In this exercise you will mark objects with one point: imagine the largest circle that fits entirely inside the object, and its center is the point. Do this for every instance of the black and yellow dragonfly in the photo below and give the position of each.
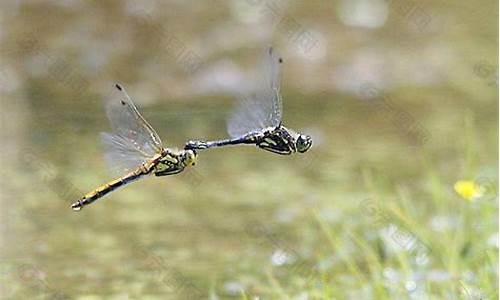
(134, 148)
(258, 118)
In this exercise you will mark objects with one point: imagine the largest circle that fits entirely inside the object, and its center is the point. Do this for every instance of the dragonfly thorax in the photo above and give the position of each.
(279, 140)
(284, 141)
(174, 162)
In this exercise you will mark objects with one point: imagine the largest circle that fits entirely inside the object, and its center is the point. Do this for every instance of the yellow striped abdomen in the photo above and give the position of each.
(108, 187)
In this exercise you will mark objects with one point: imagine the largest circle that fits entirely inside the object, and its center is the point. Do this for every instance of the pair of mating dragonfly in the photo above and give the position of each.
(135, 148)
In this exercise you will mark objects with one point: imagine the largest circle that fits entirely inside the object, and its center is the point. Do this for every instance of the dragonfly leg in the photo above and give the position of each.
(169, 172)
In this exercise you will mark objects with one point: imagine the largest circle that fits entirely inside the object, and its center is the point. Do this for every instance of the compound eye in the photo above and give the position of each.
(304, 142)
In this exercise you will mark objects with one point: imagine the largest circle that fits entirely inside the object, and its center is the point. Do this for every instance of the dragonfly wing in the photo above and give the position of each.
(270, 91)
(120, 154)
(249, 116)
(262, 109)
(133, 140)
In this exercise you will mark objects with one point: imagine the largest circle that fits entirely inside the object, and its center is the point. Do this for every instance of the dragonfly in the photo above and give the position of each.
(258, 118)
(134, 148)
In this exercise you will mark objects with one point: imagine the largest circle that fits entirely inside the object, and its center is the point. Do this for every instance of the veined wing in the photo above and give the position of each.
(133, 140)
(262, 109)
(120, 155)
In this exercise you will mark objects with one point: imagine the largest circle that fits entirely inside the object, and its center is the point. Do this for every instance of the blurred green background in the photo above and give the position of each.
(398, 198)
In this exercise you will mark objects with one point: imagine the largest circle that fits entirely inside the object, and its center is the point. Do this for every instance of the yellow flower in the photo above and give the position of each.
(468, 189)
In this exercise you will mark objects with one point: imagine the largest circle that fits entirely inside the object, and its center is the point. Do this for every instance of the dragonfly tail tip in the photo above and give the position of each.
(76, 206)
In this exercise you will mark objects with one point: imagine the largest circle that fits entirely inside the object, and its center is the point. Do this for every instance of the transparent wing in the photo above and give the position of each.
(133, 140)
(262, 109)
(271, 91)
(120, 155)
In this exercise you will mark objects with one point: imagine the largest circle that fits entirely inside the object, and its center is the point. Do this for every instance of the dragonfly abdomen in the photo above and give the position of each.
(106, 188)
(251, 139)
(198, 145)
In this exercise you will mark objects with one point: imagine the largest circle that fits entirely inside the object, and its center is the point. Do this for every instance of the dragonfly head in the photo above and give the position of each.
(189, 157)
(303, 143)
